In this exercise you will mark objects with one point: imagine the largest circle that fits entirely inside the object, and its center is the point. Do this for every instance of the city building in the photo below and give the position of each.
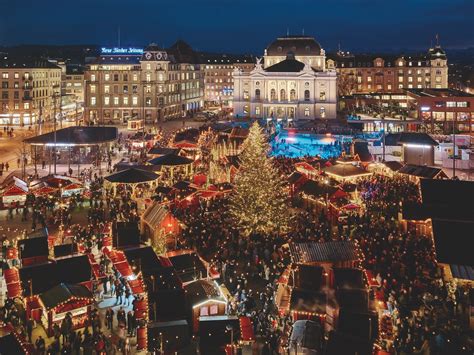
(440, 109)
(361, 73)
(152, 84)
(30, 90)
(218, 80)
(292, 83)
(72, 82)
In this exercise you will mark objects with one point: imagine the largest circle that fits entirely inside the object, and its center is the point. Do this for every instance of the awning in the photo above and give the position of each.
(136, 286)
(12, 279)
(246, 329)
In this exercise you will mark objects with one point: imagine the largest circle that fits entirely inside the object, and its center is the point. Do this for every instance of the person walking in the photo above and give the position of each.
(40, 345)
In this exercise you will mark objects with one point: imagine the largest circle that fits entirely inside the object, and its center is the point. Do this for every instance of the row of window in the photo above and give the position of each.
(283, 96)
(16, 106)
(148, 77)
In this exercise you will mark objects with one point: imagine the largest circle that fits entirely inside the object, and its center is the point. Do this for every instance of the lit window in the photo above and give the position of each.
(116, 100)
(107, 89)
(369, 79)
(106, 100)
(17, 75)
(134, 101)
(306, 112)
(257, 111)
(125, 100)
(322, 96)
(148, 77)
(410, 79)
(4, 75)
(306, 95)
(26, 105)
(322, 112)
(93, 101)
(107, 77)
(92, 77)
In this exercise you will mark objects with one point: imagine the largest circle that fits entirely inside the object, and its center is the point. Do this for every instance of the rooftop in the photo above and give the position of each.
(75, 135)
(438, 93)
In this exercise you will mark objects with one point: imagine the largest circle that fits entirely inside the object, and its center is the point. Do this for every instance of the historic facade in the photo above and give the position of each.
(30, 91)
(360, 73)
(154, 86)
(292, 83)
(218, 80)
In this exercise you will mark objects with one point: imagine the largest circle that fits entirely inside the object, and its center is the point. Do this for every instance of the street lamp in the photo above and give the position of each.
(230, 328)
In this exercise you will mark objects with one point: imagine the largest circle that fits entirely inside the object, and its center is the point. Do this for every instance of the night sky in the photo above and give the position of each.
(239, 26)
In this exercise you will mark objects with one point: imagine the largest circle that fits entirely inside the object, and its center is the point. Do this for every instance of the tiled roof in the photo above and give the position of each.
(333, 251)
(421, 171)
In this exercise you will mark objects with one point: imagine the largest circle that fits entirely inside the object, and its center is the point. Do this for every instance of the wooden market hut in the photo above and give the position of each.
(132, 177)
(204, 298)
(327, 254)
(417, 172)
(62, 299)
(157, 223)
(34, 249)
(15, 193)
(190, 266)
(344, 172)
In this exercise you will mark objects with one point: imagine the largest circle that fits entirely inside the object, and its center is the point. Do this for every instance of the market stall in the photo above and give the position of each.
(63, 299)
(15, 194)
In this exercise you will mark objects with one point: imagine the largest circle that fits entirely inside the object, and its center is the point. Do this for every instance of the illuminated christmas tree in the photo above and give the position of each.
(259, 201)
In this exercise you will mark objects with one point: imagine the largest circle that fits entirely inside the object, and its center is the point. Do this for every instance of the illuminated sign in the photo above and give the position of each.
(425, 108)
(117, 50)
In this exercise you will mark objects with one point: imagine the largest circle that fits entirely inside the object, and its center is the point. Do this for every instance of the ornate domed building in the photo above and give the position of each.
(304, 48)
(291, 83)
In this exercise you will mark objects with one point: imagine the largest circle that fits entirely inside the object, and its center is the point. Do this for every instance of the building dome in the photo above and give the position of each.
(437, 52)
(298, 45)
(152, 47)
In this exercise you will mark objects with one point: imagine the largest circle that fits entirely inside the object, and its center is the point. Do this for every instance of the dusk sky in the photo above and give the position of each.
(240, 25)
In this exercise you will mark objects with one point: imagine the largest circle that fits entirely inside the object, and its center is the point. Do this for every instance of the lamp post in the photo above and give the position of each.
(230, 328)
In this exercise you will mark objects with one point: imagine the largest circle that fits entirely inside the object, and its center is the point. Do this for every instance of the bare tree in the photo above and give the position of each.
(346, 84)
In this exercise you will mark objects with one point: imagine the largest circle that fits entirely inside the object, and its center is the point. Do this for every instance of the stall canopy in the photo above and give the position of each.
(12, 279)
(18, 187)
(76, 136)
(63, 293)
(345, 171)
(170, 160)
(132, 176)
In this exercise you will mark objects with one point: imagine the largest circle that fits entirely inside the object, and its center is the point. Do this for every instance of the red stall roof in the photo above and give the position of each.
(246, 329)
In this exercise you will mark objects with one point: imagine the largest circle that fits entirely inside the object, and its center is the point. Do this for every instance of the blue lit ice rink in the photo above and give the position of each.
(293, 144)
